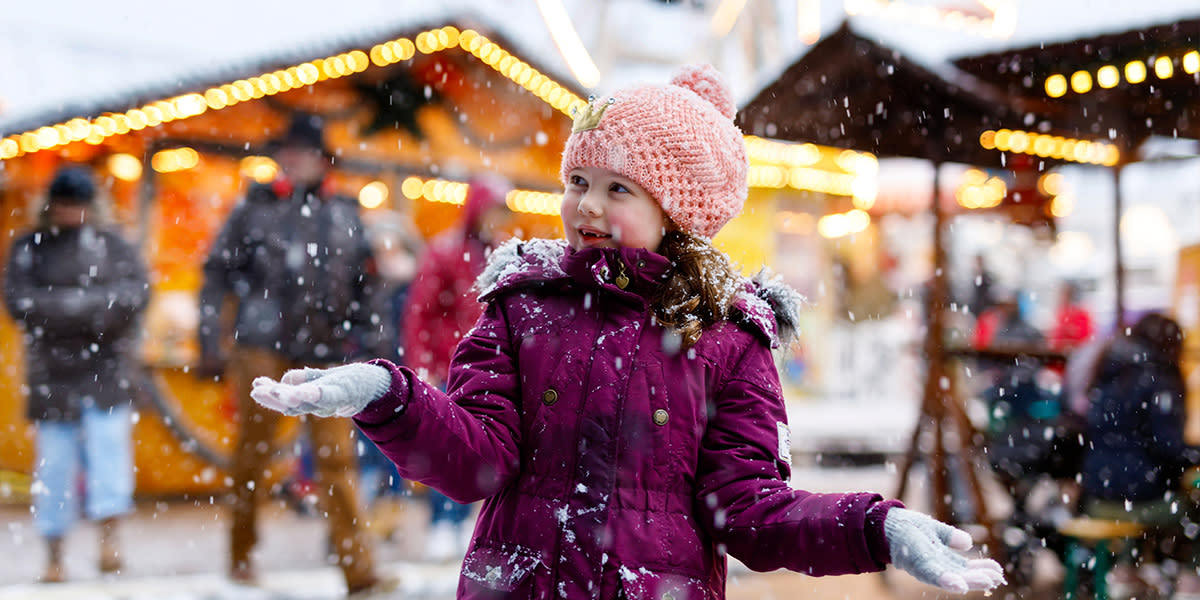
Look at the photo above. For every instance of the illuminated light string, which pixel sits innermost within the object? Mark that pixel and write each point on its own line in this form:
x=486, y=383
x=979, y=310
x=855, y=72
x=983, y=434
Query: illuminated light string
x=776, y=165
x=1135, y=72
x=176, y=159
x=1051, y=146
x=95, y=131
x=455, y=192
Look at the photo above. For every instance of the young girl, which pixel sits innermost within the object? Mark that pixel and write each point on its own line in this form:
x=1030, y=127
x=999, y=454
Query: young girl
x=617, y=407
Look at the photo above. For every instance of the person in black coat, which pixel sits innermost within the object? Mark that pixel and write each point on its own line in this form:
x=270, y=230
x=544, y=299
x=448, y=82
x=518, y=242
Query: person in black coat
x=295, y=259
x=1136, y=452
x=78, y=290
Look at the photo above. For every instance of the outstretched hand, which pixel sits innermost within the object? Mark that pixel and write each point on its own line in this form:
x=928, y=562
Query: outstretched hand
x=337, y=392
x=929, y=550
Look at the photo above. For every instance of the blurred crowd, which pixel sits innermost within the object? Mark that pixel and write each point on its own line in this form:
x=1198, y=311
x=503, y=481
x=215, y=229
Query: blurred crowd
x=298, y=276
x=1097, y=415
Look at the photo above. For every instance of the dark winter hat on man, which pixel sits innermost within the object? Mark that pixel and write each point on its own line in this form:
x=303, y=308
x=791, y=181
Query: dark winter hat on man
x=305, y=130
x=72, y=185
x=677, y=141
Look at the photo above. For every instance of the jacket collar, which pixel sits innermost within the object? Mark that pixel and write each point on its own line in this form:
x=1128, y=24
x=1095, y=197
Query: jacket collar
x=765, y=305
x=628, y=273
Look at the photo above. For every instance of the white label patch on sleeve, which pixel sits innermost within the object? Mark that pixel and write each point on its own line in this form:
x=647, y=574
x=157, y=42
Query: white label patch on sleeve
x=785, y=442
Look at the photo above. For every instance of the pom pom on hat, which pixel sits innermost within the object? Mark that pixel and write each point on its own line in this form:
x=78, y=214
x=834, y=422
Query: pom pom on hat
x=677, y=141
x=707, y=82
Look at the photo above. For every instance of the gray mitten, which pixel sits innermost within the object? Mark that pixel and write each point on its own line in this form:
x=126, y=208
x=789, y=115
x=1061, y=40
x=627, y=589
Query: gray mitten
x=928, y=549
x=340, y=391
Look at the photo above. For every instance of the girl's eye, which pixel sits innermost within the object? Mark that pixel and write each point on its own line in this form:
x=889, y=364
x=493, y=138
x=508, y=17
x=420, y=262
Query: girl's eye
x=618, y=188
x=577, y=180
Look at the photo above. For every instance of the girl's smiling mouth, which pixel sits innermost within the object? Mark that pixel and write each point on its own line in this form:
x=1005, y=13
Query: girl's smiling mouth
x=590, y=234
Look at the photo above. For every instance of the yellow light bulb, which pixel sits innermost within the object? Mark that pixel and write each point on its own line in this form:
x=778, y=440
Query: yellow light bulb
x=381, y=55
x=1056, y=85
x=1191, y=62
x=412, y=188
x=1108, y=76
x=9, y=148
x=1062, y=206
x=107, y=125
x=1081, y=82
x=373, y=195
x=80, y=128
x=358, y=61
x=29, y=142
x=466, y=37
x=216, y=98
x=423, y=44
x=309, y=73
x=1163, y=67
x=407, y=49
x=1002, y=139
x=154, y=116
x=47, y=137
x=125, y=167
x=1135, y=71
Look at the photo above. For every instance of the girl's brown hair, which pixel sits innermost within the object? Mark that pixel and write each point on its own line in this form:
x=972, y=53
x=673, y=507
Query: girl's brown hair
x=700, y=290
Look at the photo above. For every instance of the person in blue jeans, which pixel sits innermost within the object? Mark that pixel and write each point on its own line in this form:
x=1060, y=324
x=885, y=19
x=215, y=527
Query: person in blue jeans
x=78, y=288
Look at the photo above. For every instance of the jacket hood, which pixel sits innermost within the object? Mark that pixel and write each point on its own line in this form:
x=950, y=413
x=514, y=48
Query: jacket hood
x=765, y=305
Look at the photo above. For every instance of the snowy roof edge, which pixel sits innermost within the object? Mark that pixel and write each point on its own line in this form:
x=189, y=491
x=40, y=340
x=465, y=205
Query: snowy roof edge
x=139, y=94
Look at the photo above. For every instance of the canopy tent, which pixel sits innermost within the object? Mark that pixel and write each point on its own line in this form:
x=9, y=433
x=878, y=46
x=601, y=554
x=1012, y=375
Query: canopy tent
x=851, y=92
x=1126, y=87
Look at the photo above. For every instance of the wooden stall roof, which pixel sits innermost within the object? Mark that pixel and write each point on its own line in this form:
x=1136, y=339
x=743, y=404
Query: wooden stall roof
x=851, y=92
x=1157, y=106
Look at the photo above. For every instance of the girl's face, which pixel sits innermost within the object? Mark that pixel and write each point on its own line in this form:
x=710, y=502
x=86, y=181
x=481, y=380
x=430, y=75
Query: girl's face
x=601, y=209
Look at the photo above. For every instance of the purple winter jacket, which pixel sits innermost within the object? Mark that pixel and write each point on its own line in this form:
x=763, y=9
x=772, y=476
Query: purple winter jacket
x=607, y=459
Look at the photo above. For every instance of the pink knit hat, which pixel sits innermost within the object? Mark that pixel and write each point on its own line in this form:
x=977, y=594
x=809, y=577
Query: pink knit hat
x=677, y=141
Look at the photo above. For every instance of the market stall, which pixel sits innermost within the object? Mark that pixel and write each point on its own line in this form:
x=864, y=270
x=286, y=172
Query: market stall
x=853, y=93
x=410, y=118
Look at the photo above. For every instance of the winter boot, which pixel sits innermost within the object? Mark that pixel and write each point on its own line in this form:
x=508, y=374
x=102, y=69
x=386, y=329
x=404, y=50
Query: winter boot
x=55, y=571
x=110, y=552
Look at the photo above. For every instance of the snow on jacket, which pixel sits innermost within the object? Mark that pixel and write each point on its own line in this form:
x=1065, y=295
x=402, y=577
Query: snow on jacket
x=607, y=458
x=302, y=270
x=77, y=293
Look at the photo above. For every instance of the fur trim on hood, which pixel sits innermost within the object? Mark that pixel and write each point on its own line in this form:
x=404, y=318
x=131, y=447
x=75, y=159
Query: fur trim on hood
x=772, y=298
x=766, y=303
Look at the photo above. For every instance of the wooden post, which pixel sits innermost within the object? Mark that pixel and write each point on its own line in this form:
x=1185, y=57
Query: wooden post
x=941, y=408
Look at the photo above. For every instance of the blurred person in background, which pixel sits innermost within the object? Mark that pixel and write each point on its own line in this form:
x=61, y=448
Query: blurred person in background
x=296, y=259
x=1136, y=453
x=1003, y=326
x=981, y=287
x=398, y=246
x=1073, y=324
x=441, y=308
x=78, y=290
